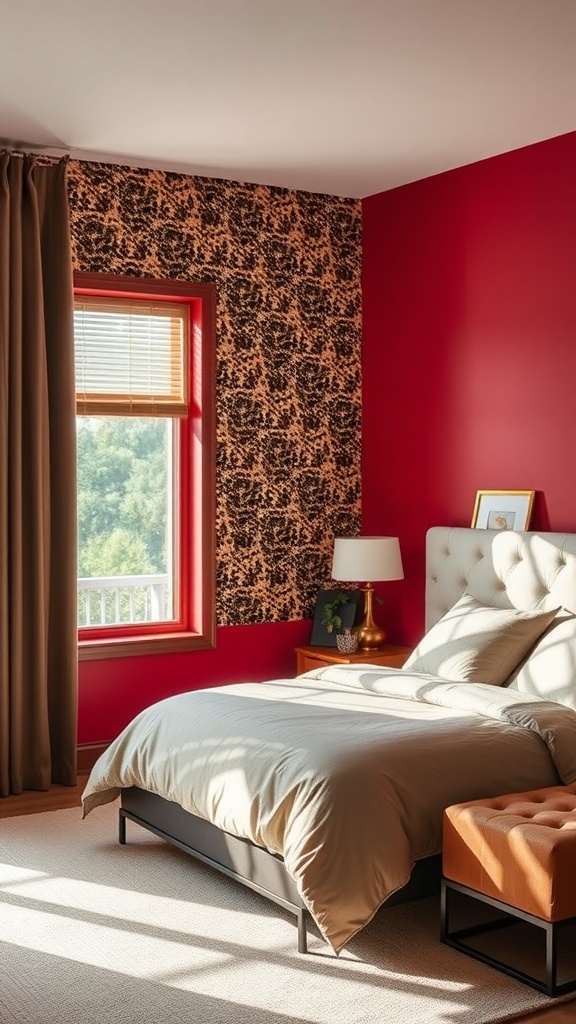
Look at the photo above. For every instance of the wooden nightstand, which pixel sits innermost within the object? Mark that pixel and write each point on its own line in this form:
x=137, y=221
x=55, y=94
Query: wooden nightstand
x=390, y=655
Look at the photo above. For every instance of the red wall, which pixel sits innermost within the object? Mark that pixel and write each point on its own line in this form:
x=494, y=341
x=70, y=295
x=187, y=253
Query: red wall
x=469, y=351
x=113, y=691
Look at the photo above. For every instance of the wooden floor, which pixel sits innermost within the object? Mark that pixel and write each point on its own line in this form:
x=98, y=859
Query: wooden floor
x=56, y=799
x=60, y=797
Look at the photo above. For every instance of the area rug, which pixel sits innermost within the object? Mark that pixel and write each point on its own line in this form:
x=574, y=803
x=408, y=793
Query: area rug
x=94, y=932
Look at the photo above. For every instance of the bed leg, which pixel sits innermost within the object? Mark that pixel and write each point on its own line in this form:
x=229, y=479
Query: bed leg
x=121, y=827
x=302, y=936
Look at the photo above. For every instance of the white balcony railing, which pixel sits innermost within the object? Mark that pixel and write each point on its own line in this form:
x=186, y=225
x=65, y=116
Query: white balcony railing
x=122, y=600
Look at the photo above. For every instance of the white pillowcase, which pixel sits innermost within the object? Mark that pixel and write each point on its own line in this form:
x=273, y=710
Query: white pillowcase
x=476, y=644
x=550, y=670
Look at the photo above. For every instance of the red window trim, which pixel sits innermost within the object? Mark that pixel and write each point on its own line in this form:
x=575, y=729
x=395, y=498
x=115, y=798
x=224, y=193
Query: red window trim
x=197, y=626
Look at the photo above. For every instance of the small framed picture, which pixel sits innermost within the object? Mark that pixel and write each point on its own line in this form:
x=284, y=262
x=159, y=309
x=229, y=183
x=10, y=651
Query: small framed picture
x=502, y=510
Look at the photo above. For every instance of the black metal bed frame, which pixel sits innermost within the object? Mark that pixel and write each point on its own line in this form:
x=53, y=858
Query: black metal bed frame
x=238, y=858
x=253, y=866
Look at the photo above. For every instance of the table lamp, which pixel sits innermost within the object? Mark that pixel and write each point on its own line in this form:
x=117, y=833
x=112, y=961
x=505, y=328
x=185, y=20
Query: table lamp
x=367, y=559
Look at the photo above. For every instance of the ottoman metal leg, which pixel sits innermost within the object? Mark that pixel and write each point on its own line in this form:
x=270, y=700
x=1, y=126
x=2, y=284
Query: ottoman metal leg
x=455, y=939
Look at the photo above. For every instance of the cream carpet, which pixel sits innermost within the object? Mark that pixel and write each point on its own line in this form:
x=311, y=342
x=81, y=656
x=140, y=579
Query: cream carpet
x=92, y=932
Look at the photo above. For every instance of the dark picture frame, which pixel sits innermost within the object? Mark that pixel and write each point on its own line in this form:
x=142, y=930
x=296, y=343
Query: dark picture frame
x=350, y=612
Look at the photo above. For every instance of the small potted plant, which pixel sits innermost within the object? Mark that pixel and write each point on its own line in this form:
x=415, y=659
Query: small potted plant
x=347, y=640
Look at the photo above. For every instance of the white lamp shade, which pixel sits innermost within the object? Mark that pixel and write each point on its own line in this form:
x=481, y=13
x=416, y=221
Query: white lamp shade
x=364, y=559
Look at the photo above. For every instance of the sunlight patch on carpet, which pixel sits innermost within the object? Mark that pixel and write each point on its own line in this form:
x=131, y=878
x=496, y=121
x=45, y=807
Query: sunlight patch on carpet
x=142, y=933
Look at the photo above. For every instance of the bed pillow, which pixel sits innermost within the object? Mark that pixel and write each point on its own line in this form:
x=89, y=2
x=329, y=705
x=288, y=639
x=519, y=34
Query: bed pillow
x=550, y=669
x=476, y=644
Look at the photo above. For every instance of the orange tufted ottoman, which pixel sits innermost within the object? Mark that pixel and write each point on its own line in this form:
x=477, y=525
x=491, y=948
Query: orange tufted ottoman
x=516, y=853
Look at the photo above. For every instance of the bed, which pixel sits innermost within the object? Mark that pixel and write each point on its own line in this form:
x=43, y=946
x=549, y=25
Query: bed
x=325, y=792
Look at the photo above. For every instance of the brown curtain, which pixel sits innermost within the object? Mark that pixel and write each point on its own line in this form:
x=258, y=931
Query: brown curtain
x=38, y=639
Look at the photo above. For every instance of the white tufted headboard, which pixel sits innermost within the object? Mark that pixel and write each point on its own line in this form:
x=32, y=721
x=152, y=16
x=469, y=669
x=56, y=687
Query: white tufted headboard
x=501, y=568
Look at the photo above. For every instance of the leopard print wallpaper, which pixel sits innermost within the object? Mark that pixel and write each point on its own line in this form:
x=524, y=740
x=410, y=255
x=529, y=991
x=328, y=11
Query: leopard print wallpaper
x=287, y=268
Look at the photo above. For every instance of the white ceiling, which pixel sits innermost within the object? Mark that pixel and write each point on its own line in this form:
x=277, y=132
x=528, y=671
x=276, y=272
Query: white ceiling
x=347, y=97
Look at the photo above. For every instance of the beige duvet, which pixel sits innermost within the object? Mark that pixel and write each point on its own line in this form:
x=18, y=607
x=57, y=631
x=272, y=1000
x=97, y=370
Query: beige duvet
x=343, y=771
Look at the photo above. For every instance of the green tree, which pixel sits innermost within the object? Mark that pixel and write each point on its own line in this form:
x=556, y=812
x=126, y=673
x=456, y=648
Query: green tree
x=120, y=553
x=122, y=498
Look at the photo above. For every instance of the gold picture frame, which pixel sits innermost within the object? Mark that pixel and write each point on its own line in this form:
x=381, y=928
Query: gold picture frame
x=502, y=510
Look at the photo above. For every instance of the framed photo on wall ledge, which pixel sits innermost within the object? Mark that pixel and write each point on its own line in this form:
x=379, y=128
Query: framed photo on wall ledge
x=503, y=510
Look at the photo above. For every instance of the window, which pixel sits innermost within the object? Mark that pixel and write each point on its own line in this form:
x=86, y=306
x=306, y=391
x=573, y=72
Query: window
x=144, y=354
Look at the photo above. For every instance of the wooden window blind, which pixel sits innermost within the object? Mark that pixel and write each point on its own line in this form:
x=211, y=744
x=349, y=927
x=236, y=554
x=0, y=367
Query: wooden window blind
x=131, y=356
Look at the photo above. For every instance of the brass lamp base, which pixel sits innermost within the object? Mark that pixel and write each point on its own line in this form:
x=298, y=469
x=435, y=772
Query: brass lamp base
x=370, y=635
x=370, y=638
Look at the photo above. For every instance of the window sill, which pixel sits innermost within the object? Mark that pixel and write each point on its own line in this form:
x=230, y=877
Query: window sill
x=128, y=647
